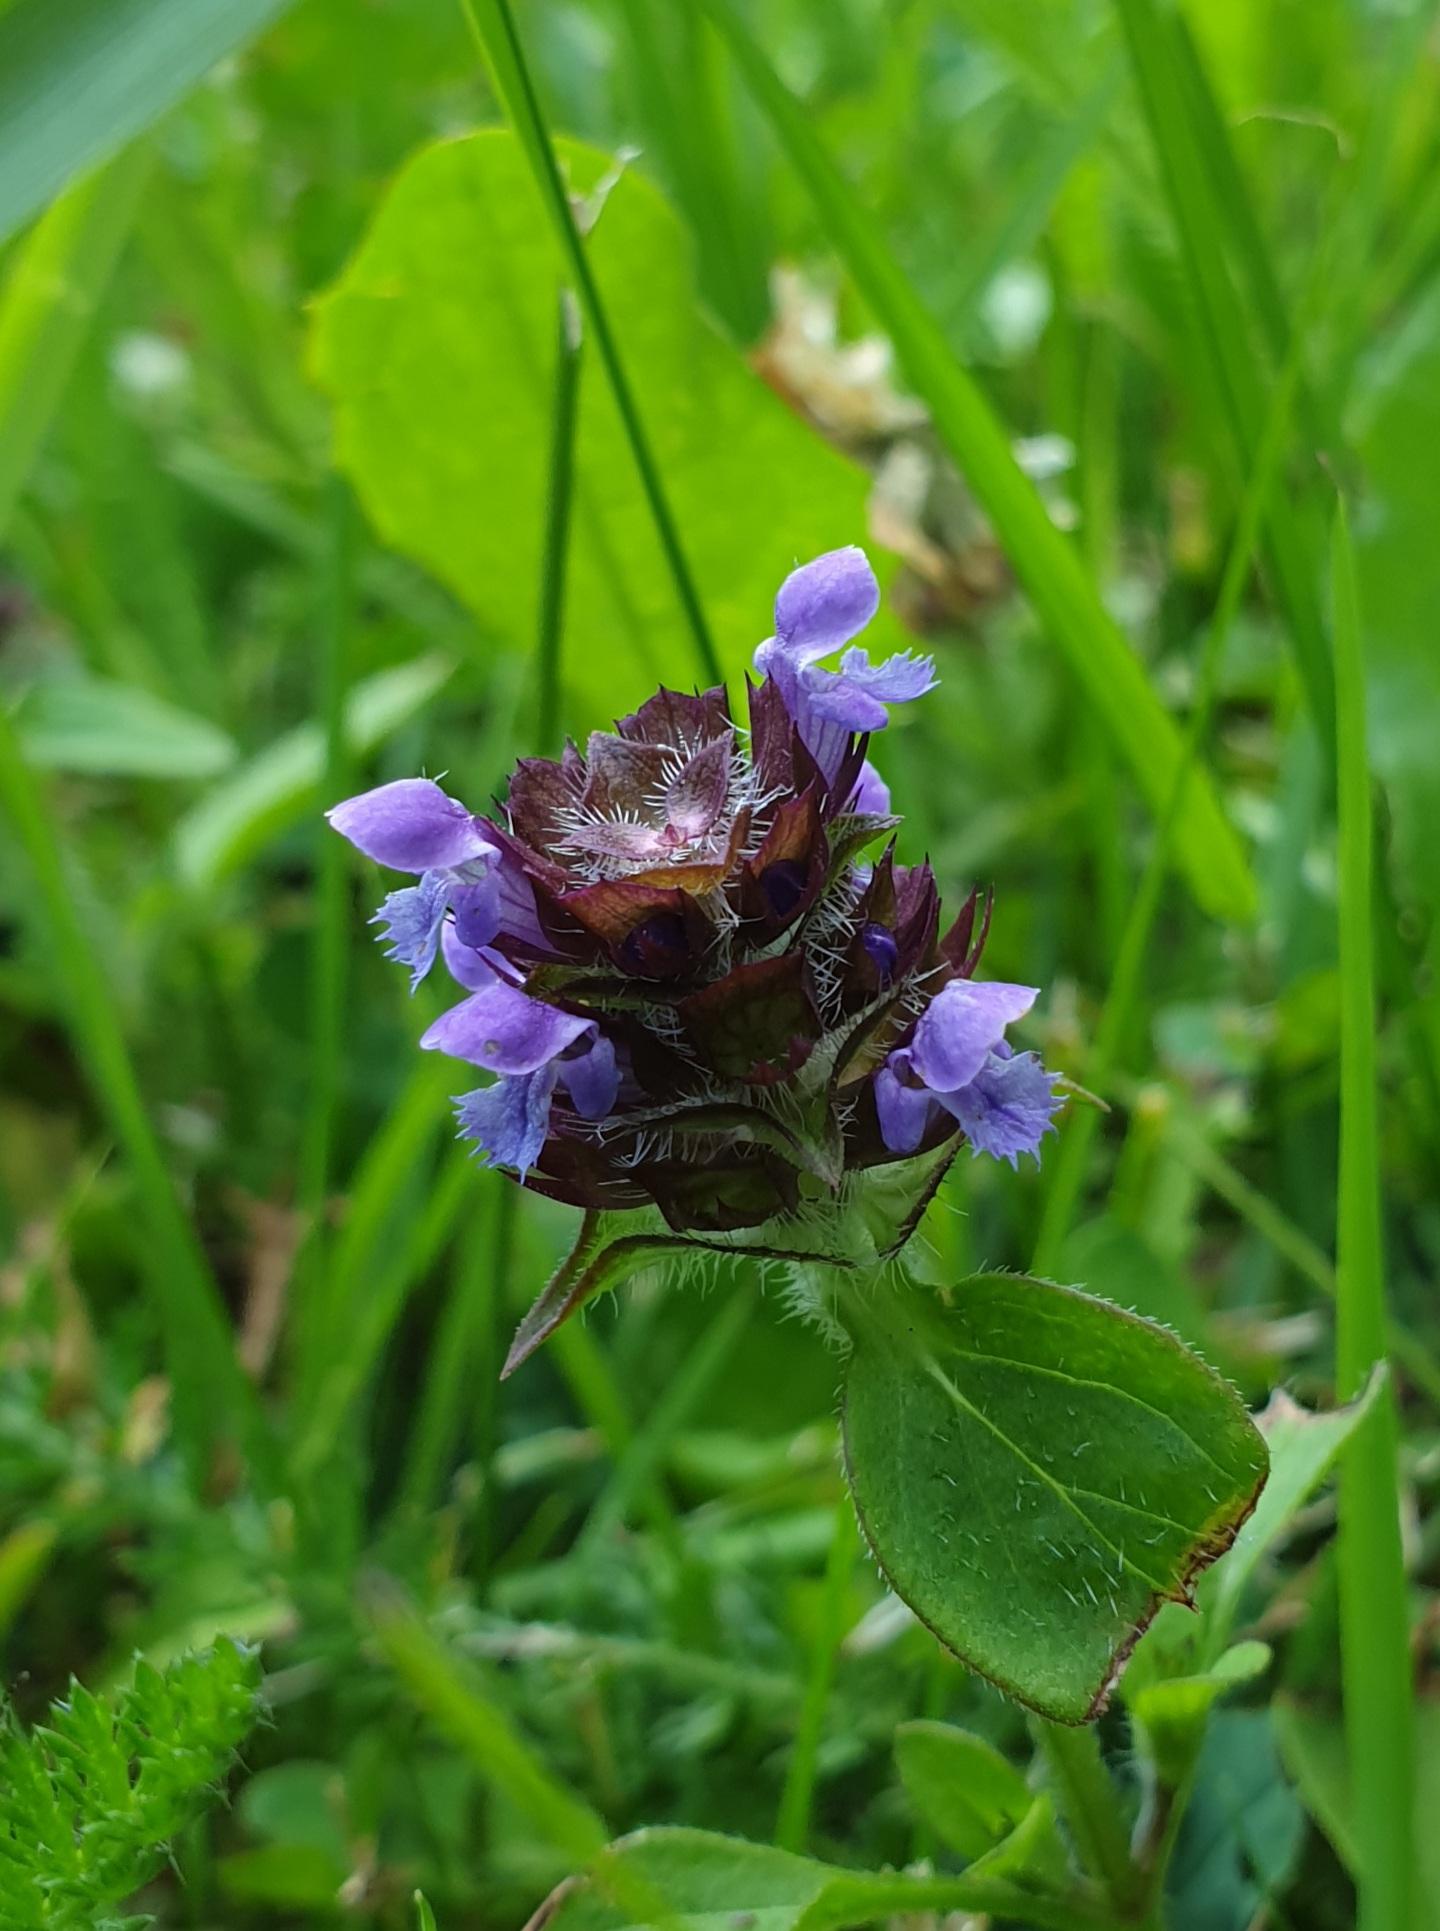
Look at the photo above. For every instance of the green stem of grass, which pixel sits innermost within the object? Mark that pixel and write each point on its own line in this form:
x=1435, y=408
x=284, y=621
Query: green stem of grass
x=330, y=949
x=492, y=25
x=1374, y=1619
x=213, y=1401
x=792, y=1825
x=558, y=496
x=1068, y=1178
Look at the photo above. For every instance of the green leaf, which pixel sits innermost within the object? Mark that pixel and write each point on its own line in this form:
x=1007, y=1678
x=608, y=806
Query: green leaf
x=1172, y=1711
x=93, y=1798
x=267, y=795
x=90, y=725
x=78, y=78
x=1047, y=563
x=961, y=1786
x=424, y=1916
x=709, y=1882
x=1303, y=1450
x=437, y=346
x=1037, y=1471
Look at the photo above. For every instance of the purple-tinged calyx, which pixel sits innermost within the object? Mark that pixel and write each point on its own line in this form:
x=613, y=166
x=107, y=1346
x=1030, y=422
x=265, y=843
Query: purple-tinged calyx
x=960, y=1060
x=821, y=606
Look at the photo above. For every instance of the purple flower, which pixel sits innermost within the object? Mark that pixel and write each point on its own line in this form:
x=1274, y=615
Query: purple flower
x=532, y=1046
x=871, y=794
x=960, y=1059
x=821, y=606
x=412, y=826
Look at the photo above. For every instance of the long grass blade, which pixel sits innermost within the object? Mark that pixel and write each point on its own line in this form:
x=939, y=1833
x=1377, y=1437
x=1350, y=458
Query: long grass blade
x=1047, y=564
x=1206, y=224
x=54, y=284
x=1067, y=1179
x=792, y=1825
x=1374, y=1614
x=493, y=26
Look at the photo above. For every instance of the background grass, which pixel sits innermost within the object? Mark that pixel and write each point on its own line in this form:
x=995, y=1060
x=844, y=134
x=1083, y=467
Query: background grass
x=1155, y=285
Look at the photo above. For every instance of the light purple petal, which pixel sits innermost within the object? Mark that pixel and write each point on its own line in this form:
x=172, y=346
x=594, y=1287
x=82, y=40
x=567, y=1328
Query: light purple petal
x=1007, y=1109
x=410, y=826
x=961, y=1025
x=509, y=1120
x=503, y=1030
x=824, y=604
x=899, y=679
x=468, y=967
x=476, y=901
x=903, y=1110
x=871, y=794
x=838, y=699
x=592, y=1078
x=412, y=918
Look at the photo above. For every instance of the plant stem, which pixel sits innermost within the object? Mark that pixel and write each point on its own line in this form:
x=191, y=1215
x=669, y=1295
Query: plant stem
x=792, y=1826
x=1086, y=1794
x=557, y=522
x=492, y=25
x=1374, y=1615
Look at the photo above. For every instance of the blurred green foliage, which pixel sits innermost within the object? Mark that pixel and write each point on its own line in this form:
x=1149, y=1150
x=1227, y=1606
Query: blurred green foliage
x=203, y=640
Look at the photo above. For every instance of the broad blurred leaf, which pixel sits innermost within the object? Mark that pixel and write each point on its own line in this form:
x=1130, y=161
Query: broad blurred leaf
x=1037, y=1471
x=968, y=1794
x=438, y=347
x=80, y=77
x=1312, y=1743
x=1242, y=1831
x=278, y=786
x=702, y=1881
x=118, y=731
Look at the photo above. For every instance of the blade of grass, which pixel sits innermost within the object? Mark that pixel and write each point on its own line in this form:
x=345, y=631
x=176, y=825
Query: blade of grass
x=557, y=524
x=80, y=77
x=57, y=278
x=792, y=1825
x=1374, y=1612
x=332, y=913
x=214, y=1403
x=1047, y=564
x=1407, y=1351
x=1067, y=1178
x=358, y=1341
x=492, y=26
x=51, y=294
x=1206, y=222
x=641, y=1461
x=455, y=1696
x=465, y=1354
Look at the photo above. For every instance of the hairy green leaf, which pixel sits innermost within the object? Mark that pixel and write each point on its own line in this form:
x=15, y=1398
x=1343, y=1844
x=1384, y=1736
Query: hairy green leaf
x=92, y=1799
x=1037, y=1471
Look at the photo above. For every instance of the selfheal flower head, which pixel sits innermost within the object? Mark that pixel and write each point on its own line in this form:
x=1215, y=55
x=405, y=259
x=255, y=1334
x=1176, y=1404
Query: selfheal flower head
x=702, y=985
